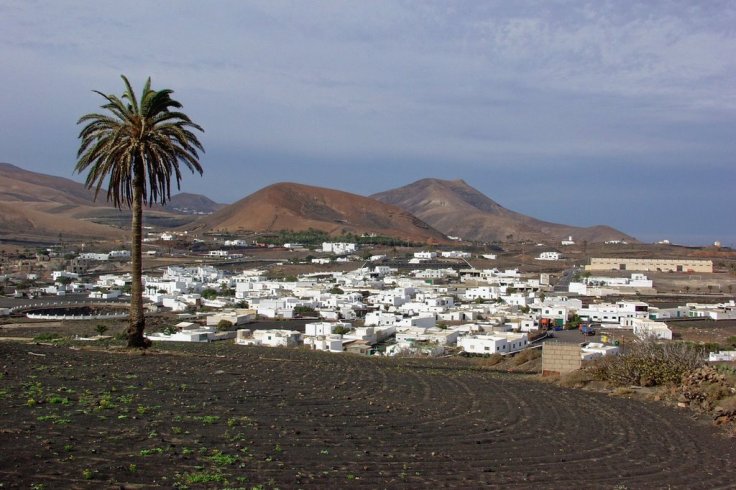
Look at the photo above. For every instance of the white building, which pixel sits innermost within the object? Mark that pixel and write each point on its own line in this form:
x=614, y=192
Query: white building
x=455, y=254
x=323, y=328
x=498, y=343
x=614, y=313
x=724, y=355
x=236, y=317
x=645, y=328
x=594, y=350
x=329, y=343
x=339, y=248
x=192, y=333
x=549, y=256
x=425, y=255
x=269, y=338
x=236, y=243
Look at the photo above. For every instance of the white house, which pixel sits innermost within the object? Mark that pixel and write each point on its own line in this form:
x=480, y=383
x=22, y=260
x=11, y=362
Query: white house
x=549, y=256
x=339, y=248
x=236, y=317
x=323, y=328
x=614, y=313
x=455, y=254
x=192, y=333
x=425, y=255
x=498, y=343
x=724, y=355
x=269, y=338
x=329, y=343
x=645, y=328
x=593, y=350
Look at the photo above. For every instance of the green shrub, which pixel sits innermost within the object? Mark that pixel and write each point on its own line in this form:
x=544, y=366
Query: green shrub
x=526, y=355
x=223, y=325
x=648, y=363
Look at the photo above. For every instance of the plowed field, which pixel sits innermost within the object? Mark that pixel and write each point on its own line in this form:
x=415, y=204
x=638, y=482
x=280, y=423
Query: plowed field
x=216, y=416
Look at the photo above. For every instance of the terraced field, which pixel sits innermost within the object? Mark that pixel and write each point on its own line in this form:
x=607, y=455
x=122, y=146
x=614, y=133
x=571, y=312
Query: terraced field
x=217, y=416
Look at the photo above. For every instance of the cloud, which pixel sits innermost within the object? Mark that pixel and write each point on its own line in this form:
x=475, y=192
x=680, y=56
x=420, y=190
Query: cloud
x=471, y=86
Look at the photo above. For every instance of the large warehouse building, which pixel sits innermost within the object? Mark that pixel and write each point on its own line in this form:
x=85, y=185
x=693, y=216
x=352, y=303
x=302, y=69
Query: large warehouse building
x=663, y=265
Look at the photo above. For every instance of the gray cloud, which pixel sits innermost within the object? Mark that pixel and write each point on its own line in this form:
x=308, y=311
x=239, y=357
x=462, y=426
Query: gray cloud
x=397, y=90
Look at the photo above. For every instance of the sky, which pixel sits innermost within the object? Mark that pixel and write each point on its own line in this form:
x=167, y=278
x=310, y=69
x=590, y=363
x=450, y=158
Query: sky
x=620, y=113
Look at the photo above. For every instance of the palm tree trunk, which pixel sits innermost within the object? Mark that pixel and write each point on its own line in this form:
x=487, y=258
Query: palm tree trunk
x=137, y=317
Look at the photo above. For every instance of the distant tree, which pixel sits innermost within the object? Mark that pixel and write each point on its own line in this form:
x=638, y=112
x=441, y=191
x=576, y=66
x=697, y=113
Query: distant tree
x=209, y=293
x=101, y=329
x=223, y=325
x=342, y=330
x=301, y=311
x=336, y=290
x=134, y=150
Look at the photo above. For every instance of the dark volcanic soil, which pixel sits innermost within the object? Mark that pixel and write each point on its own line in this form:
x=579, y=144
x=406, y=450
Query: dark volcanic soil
x=216, y=415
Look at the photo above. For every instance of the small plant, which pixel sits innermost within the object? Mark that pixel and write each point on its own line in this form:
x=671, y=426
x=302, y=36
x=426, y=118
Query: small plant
x=59, y=400
x=132, y=467
x=87, y=474
x=126, y=399
x=101, y=329
x=203, y=477
x=149, y=452
x=207, y=419
x=221, y=459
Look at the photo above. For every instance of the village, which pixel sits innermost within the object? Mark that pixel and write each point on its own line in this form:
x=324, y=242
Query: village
x=428, y=303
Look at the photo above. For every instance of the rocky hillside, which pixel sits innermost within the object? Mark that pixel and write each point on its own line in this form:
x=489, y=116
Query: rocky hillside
x=187, y=203
x=457, y=209
x=289, y=206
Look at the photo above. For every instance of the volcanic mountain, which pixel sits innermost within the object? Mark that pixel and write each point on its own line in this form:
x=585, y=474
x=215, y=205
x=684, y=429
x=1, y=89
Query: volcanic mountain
x=187, y=203
x=289, y=206
x=457, y=209
x=38, y=206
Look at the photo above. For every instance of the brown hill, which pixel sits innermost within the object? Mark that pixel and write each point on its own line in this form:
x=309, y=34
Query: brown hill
x=187, y=203
x=289, y=206
x=40, y=206
x=457, y=209
x=19, y=185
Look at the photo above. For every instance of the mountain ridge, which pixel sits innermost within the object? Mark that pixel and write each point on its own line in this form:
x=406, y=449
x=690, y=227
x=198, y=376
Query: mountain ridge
x=293, y=206
x=457, y=209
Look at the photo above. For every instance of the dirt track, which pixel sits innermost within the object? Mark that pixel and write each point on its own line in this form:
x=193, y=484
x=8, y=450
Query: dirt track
x=225, y=416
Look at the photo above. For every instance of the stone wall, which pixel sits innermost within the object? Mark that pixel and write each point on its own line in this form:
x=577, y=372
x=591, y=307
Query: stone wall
x=559, y=358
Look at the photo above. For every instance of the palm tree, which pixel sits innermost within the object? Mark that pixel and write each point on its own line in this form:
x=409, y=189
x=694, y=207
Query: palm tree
x=137, y=146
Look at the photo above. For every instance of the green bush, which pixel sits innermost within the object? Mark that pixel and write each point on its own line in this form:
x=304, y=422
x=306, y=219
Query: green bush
x=223, y=325
x=648, y=363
